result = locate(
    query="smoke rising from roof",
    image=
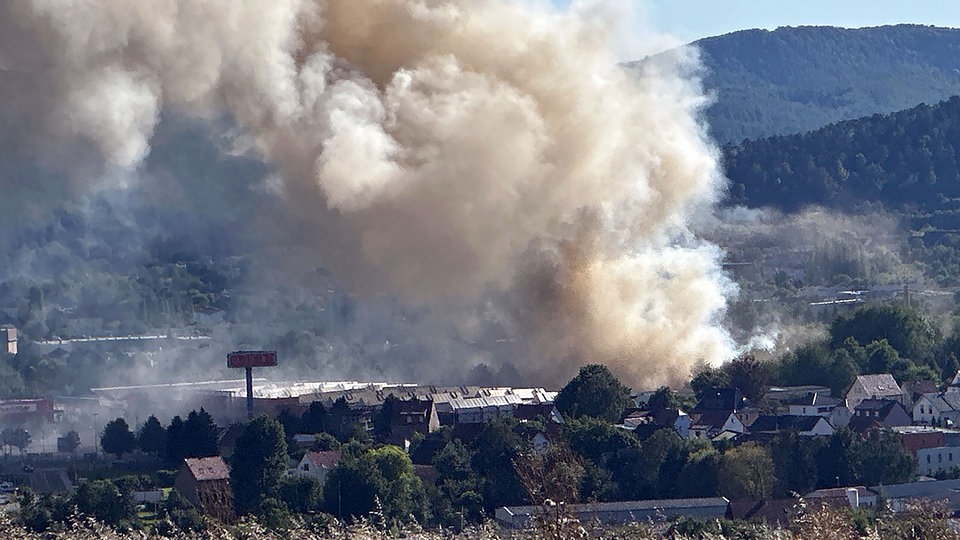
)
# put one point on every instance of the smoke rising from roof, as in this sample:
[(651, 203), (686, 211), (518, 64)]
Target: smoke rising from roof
[(443, 152)]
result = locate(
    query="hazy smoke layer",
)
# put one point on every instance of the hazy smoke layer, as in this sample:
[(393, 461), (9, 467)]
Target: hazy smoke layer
[(436, 149)]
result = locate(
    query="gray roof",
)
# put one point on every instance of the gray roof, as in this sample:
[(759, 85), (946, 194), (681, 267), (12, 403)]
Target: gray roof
[(785, 422), (626, 506), (815, 399), (948, 401), (933, 488), (882, 384)]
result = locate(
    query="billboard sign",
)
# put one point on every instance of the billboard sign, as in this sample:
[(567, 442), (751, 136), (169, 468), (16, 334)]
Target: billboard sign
[(14, 407), (245, 359)]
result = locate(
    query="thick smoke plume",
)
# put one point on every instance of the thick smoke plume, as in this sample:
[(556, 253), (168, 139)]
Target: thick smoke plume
[(439, 151)]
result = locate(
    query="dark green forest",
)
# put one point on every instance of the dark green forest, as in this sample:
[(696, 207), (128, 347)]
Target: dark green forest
[(796, 79)]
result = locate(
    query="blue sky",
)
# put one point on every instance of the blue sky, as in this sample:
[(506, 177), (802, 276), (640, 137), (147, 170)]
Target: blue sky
[(689, 20)]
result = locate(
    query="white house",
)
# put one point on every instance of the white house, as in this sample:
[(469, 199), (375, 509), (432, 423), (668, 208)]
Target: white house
[(937, 409), (882, 386), (317, 464), (942, 458), (813, 404)]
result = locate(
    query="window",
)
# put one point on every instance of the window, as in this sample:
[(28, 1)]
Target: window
[(928, 458), (950, 456), (939, 458)]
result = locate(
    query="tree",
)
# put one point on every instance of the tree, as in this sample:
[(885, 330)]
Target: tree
[(596, 440), (325, 442), (747, 472), (152, 438), (795, 464), (664, 398), (555, 475), (258, 463), (882, 459), (494, 449), (352, 488), (458, 484), (594, 392), (117, 438), (384, 417), (176, 448), (836, 460), (708, 379), (637, 470), (749, 375), (315, 418), (302, 494), (104, 501), (16, 438), (292, 424), (401, 493), (904, 329), (200, 433), (69, 442)]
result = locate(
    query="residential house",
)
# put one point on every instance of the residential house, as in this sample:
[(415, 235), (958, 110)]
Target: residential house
[(813, 404), (854, 496), (619, 513), (317, 465), (840, 416), (227, 439), (709, 424), (803, 425), (777, 513), (937, 409), (411, 417), (721, 399), (644, 423), (785, 394), (954, 385), (882, 386), (941, 458), (887, 412), (206, 483), (525, 412), (912, 390), (915, 438)]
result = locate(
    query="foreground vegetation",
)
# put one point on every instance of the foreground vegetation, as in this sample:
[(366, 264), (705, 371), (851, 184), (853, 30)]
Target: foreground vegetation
[(825, 523)]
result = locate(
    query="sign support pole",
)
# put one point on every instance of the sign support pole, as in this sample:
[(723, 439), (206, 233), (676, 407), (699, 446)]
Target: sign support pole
[(249, 360), (249, 393)]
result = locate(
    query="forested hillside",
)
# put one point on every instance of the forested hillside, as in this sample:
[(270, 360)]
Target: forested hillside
[(797, 79), (906, 161)]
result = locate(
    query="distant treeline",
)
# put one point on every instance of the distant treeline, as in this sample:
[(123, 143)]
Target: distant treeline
[(797, 79)]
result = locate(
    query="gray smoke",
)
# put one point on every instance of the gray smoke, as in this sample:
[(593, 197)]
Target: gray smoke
[(444, 152)]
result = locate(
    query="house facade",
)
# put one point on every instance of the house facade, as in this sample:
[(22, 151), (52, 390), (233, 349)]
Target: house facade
[(941, 458), (886, 412), (411, 417), (317, 465), (937, 409), (710, 424), (206, 483), (814, 404)]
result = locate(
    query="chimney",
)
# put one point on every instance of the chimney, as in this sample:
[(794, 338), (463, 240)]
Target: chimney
[(853, 496)]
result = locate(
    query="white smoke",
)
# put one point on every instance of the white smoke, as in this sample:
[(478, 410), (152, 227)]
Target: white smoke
[(437, 150)]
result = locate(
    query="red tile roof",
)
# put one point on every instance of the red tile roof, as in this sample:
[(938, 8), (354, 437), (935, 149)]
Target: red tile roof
[(208, 468), (326, 460)]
